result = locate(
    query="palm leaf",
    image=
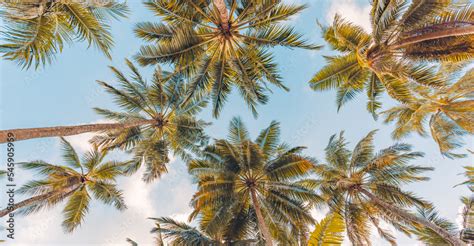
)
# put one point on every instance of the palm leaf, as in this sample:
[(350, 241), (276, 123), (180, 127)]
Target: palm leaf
[(329, 231), (70, 155), (88, 27), (75, 210)]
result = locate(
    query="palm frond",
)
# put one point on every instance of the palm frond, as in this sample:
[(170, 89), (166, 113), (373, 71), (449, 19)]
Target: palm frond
[(426, 235), (89, 28), (328, 231), (70, 155), (75, 210), (108, 193), (180, 233)]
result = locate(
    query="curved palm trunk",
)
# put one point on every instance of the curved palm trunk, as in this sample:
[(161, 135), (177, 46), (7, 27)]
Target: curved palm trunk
[(452, 239), (261, 222), (441, 31), (35, 199), (59, 131), (223, 14)]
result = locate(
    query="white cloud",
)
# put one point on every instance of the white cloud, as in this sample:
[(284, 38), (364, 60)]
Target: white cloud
[(137, 194), (350, 10)]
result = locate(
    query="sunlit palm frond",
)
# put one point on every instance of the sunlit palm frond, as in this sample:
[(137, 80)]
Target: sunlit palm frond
[(328, 231), (109, 194), (384, 16), (76, 209), (335, 73), (426, 235), (70, 155), (421, 11), (446, 134), (345, 36), (179, 233), (35, 33)]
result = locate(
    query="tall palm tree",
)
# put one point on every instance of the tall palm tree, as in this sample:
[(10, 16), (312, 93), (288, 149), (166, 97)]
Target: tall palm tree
[(450, 110), (243, 183), (365, 188), (153, 121), (36, 30), (74, 182), (391, 58), (221, 44)]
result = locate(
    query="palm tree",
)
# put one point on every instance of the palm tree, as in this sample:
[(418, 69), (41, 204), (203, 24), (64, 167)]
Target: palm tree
[(243, 184), (221, 44), (36, 30), (153, 121), (365, 188), (391, 57), (450, 110), (329, 231), (74, 182)]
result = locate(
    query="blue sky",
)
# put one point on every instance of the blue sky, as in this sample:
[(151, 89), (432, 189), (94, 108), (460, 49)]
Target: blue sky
[(65, 92)]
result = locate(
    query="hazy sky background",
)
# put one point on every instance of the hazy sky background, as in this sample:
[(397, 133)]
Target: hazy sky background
[(65, 93)]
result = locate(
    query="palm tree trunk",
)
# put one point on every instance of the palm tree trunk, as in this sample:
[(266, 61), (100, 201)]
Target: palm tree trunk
[(57, 131), (35, 199), (223, 13), (452, 239), (261, 222), (440, 31)]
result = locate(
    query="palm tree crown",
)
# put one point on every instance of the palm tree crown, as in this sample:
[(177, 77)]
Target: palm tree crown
[(221, 44), (168, 123), (390, 58), (74, 182), (35, 31), (244, 184), (450, 110), (364, 188)]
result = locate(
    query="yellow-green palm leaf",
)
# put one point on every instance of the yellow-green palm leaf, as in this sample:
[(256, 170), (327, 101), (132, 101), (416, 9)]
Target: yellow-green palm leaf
[(328, 231), (35, 31)]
